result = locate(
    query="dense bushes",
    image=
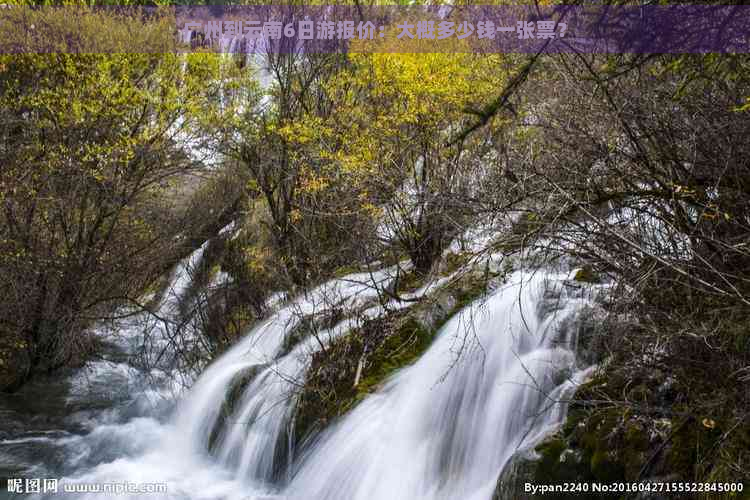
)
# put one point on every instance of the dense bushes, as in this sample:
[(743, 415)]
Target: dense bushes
[(92, 155), (645, 176), (636, 165)]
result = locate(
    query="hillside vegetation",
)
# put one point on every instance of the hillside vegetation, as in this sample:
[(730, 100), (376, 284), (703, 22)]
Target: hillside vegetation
[(115, 166)]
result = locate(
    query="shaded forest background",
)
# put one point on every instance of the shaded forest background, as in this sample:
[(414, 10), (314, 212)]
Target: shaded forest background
[(113, 167)]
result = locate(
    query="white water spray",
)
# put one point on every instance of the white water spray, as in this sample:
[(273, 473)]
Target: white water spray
[(440, 429), (444, 427)]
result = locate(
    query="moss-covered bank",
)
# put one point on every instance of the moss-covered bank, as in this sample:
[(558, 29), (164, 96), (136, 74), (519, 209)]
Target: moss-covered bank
[(355, 365), (605, 440)]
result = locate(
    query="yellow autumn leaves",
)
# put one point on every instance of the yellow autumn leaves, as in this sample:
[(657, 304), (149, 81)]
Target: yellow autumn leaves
[(386, 107)]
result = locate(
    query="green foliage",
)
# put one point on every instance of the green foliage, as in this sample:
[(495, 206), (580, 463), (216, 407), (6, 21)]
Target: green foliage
[(392, 343), (90, 144), (586, 275), (604, 441), (380, 347), (97, 147)]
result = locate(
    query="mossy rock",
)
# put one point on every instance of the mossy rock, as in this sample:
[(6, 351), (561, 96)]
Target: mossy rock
[(519, 470), (309, 325), (409, 340), (552, 461), (664, 404), (231, 400), (586, 274), (616, 443), (391, 342)]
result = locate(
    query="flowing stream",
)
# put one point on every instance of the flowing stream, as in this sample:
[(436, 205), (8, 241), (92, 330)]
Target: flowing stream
[(441, 428)]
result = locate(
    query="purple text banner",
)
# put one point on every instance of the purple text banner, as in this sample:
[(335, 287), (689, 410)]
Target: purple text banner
[(340, 29)]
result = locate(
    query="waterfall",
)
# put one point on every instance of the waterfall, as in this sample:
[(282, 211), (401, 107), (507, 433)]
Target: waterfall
[(145, 337), (441, 428), (248, 442), (71, 423)]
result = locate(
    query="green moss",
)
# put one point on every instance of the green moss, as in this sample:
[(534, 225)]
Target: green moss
[(636, 450), (587, 275), (549, 451), (557, 463), (329, 387), (455, 261), (233, 396), (330, 392), (673, 409), (607, 442), (595, 443), (401, 349), (410, 281), (391, 342)]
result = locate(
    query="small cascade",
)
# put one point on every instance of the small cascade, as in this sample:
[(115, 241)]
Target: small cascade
[(100, 412), (442, 428), (248, 441), (146, 341)]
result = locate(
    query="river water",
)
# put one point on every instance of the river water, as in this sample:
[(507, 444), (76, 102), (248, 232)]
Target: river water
[(441, 428)]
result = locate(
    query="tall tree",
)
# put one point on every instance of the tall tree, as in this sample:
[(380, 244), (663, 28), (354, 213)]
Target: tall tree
[(89, 142)]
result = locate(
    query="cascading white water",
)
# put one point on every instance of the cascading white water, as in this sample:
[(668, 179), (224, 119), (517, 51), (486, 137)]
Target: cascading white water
[(444, 427), (104, 411), (440, 429), (247, 443), (254, 436), (142, 335), (177, 451)]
